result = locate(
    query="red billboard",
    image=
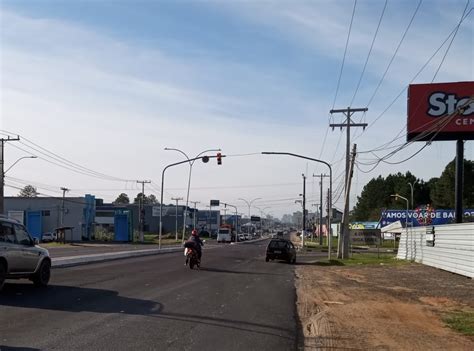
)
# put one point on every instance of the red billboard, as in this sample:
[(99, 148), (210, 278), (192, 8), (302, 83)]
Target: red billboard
[(440, 111)]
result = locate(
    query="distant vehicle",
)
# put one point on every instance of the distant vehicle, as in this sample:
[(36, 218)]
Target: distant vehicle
[(247, 236), (281, 249), (241, 237), (19, 255), (279, 233), (48, 237), (224, 235)]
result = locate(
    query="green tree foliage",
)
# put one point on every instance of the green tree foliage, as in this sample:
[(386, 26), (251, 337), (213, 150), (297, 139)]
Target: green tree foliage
[(147, 200), (122, 199), (438, 192), (152, 199), (28, 191), (443, 188)]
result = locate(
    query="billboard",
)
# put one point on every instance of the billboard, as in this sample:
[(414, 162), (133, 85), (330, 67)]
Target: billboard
[(422, 216), (432, 111)]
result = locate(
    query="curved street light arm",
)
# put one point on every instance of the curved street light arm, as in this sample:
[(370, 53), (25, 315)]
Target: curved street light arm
[(14, 163)]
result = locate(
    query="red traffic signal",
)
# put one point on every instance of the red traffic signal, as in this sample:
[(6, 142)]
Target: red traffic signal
[(219, 158)]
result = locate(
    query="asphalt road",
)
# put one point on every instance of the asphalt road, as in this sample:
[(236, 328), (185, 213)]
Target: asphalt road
[(236, 301)]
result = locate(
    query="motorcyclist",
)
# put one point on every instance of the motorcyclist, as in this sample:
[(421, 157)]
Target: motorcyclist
[(196, 243)]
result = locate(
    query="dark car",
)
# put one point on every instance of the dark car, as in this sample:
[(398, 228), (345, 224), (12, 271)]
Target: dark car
[(281, 249)]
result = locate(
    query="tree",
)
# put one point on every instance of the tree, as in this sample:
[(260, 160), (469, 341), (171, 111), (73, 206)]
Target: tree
[(28, 191), (122, 199), (443, 188), (152, 199)]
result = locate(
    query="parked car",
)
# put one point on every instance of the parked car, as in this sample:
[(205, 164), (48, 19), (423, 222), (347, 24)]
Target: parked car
[(20, 257), (247, 236), (281, 249), (48, 237), (241, 237)]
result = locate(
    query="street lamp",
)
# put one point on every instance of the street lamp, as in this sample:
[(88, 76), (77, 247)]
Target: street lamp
[(330, 188), (191, 163), (2, 175), (412, 185), (249, 203), (396, 196)]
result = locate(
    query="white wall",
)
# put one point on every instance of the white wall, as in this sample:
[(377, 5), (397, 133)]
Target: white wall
[(453, 250)]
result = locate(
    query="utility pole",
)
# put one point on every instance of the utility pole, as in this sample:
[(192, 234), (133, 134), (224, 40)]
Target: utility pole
[(328, 223), (321, 208), (141, 214), (304, 211), (176, 226), (343, 249), (348, 124), (2, 170), (62, 205), (195, 215)]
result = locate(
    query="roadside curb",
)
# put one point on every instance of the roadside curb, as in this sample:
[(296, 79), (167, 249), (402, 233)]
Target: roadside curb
[(61, 262)]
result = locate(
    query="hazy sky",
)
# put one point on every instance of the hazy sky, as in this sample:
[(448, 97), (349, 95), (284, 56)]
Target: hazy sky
[(109, 84)]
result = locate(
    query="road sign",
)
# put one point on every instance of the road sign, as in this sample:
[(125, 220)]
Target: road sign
[(215, 203)]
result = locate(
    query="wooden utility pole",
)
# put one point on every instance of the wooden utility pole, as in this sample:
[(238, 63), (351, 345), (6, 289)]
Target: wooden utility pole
[(177, 199), (320, 206), (348, 124), (2, 171), (343, 248), (141, 213)]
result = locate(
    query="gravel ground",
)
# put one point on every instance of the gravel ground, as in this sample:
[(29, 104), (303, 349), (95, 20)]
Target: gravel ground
[(381, 307)]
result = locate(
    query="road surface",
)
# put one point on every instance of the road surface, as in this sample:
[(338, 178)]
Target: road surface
[(235, 302)]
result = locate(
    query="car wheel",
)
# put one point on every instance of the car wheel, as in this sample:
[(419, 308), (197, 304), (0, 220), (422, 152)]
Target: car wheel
[(294, 260), (3, 274), (41, 278), (267, 259)]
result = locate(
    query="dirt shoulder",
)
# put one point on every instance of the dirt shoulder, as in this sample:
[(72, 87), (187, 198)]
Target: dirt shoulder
[(381, 307)]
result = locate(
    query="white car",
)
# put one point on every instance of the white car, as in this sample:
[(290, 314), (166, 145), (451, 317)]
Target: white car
[(47, 237), (241, 237)]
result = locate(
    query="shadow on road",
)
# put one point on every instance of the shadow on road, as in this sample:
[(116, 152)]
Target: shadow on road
[(74, 299), (80, 299), (15, 348), (218, 270)]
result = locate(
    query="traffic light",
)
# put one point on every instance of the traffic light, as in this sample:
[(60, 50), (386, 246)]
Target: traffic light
[(219, 158)]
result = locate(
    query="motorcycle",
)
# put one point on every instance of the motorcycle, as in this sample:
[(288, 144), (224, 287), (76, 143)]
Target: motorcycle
[(192, 258)]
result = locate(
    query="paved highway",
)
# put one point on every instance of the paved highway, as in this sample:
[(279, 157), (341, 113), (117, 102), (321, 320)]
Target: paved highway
[(235, 302)]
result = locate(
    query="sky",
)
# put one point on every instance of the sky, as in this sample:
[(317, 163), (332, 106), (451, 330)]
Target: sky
[(108, 85)]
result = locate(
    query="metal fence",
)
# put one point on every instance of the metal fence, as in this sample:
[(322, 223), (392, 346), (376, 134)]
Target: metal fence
[(449, 247)]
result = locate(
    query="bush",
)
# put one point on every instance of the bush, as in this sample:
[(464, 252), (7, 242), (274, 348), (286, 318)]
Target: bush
[(103, 235)]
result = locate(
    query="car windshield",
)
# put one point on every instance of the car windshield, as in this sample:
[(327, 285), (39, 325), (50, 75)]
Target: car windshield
[(277, 244)]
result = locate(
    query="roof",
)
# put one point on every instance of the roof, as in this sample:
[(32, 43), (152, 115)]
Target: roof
[(395, 227)]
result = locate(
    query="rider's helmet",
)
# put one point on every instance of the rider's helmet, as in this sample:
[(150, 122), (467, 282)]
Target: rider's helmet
[(194, 232)]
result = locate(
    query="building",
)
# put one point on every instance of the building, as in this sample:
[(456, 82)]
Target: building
[(46, 214)]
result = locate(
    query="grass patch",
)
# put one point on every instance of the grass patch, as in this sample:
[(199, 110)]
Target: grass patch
[(54, 244), (461, 321), (364, 259)]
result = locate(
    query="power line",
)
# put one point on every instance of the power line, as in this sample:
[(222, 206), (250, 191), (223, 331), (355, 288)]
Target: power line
[(370, 51), (344, 56), (451, 42), (395, 53), (61, 161), (417, 74)]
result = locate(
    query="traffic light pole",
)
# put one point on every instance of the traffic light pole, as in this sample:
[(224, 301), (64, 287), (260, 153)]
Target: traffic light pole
[(204, 158)]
